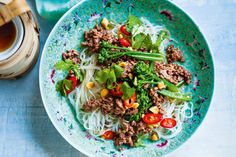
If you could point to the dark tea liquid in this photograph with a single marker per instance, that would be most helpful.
(7, 36)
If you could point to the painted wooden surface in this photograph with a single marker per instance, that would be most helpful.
(26, 131)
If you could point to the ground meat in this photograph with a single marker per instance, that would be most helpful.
(129, 131)
(131, 111)
(174, 54)
(95, 35)
(172, 72)
(119, 109)
(72, 55)
(128, 70)
(157, 99)
(106, 105)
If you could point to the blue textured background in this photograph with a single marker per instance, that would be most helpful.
(26, 131)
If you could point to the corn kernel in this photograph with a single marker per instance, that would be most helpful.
(135, 105)
(154, 137)
(90, 85)
(104, 92)
(120, 36)
(161, 85)
(154, 109)
(105, 23)
(171, 100)
(156, 125)
(122, 64)
(150, 126)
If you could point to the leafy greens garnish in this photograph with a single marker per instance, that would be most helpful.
(68, 65)
(109, 76)
(127, 90)
(63, 86)
(64, 65)
(142, 41)
(132, 21)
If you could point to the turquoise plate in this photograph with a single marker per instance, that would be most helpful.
(68, 34)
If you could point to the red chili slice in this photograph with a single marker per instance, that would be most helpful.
(73, 79)
(109, 135)
(151, 118)
(124, 42)
(168, 123)
(130, 102)
(124, 31)
(117, 91)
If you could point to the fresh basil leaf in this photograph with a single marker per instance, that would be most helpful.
(137, 41)
(127, 90)
(162, 36)
(63, 86)
(132, 21)
(110, 84)
(59, 86)
(118, 70)
(102, 76)
(147, 43)
(112, 75)
(61, 65)
(67, 84)
(79, 75)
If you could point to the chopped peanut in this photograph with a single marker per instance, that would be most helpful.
(154, 137)
(104, 92)
(105, 23)
(90, 85)
(130, 48)
(135, 105)
(154, 109)
(122, 64)
(130, 76)
(161, 85)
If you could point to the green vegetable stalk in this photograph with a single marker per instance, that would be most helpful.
(107, 54)
(144, 104)
(176, 95)
(145, 74)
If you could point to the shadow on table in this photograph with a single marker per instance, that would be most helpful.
(43, 133)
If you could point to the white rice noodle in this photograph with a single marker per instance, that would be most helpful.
(179, 112)
(95, 122)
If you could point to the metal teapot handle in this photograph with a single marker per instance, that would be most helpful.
(12, 9)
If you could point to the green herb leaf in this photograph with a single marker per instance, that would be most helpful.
(102, 76)
(111, 79)
(63, 86)
(132, 21)
(118, 70)
(63, 65)
(142, 41)
(109, 76)
(67, 84)
(127, 90)
(147, 43)
(137, 40)
(79, 75)
(140, 141)
(162, 36)
(59, 86)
